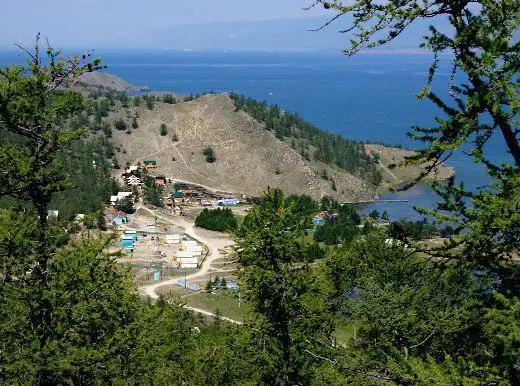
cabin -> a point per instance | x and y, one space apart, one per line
131 234
150 164
160 180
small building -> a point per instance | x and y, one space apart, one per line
187 262
169 202
227 202
178 195
172 239
128 244
119 196
160 180
132 169
119 220
131 234
150 164
183 255
133 181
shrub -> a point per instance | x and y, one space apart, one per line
163 130
220 219
120 124
126 205
209 153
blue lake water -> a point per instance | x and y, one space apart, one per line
367 97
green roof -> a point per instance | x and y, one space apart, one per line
178 195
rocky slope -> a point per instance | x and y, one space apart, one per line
248 158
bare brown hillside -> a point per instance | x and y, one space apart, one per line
248 158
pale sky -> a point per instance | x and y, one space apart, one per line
73 23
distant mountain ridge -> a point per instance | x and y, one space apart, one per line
108 82
275 35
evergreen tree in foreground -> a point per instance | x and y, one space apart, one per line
485 103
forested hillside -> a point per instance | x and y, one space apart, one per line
311 141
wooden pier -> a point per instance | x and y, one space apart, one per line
372 202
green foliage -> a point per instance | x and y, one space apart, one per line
169 98
484 103
406 230
374 214
219 219
124 99
163 130
152 193
88 165
150 101
120 124
209 153
417 320
126 204
287 314
341 228
329 148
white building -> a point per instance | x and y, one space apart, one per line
119 196
133 181
172 239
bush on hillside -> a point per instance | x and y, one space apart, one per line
163 129
209 153
120 124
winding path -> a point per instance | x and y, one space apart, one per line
215 243
388 171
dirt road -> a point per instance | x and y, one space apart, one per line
213 240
